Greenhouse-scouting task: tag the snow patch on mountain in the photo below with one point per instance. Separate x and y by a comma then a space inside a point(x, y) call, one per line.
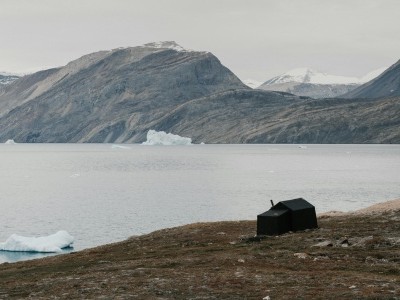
point(166, 45)
point(8, 74)
point(7, 78)
point(306, 75)
point(252, 83)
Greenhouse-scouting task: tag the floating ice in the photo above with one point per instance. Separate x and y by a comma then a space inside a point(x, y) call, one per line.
point(167, 139)
point(51, 243)
point(114, 146)
point(10, 142)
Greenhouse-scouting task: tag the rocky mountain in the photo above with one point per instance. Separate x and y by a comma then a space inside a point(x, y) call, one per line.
point(7, 78)
point(109, 96)
point(311, 83)
point(119, 95)
point(243, 116)
point(385, 85)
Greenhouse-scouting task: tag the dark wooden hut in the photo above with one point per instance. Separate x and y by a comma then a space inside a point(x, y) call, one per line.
point(289, 215)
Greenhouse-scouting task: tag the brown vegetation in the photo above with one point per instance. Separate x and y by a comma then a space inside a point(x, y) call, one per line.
point(360, 259)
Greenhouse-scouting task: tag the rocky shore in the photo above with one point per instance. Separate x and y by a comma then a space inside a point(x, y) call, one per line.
point(350, 256)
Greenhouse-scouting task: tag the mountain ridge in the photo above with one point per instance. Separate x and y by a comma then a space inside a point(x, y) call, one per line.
point(117, 96)
point(109, 96)
point(311, 83)
point(386, 84)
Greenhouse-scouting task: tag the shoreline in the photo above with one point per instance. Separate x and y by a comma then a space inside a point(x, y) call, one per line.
point(349, 256)
point(381, 207)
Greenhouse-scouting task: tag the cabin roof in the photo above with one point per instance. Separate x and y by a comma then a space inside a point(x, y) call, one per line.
point(293, 205)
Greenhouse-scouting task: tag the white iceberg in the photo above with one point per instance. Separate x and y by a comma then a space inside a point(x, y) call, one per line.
point(167, 139)
point(10, 142)
point(51, 243)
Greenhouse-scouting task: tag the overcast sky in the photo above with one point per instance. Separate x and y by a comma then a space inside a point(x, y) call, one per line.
point(256, 39)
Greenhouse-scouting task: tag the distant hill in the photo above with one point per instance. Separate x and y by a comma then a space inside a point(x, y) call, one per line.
point(385, 85)
point(117, 96)
point(311, 83)
point(252, 83)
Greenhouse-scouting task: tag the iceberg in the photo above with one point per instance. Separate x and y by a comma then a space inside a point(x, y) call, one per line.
point(51, 243)
point(167, 139)
point(10, 142)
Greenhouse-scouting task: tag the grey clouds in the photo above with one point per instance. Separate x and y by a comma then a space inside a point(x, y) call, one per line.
point(255, 39)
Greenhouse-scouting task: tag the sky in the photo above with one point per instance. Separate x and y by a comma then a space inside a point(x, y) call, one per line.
point(256, 39)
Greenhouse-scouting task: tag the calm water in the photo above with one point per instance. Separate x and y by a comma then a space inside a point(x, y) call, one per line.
point(104, 193)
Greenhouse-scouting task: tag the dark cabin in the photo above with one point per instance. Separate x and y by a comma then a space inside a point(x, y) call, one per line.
point(289, 215)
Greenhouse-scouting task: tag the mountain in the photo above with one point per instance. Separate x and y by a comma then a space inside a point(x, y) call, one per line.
point(305, 75)
point(372, 75)
point(252, 83)
point(7, 78)
point(311, 83)
point(117, 96)
point(385, 85)
point(256, 116)
point(109, 96)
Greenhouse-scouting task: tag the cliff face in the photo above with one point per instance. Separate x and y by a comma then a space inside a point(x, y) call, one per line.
point(118, 95)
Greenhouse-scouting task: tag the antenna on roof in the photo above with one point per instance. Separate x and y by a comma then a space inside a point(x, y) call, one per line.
point(272, 202)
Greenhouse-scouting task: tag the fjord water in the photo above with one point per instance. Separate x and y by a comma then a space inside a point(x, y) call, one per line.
point(102, 193)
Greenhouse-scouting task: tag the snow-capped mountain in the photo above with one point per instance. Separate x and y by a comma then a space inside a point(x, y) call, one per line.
point(306, 75)
point(166, 45)
point(252, 83)
point(311, 83)
point(7, 78)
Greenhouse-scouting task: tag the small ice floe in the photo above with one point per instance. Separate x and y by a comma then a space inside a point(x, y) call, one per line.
point(167, 139)
point(114, 146)
point(51, 243)
point(10, 142)
point(76, 175)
